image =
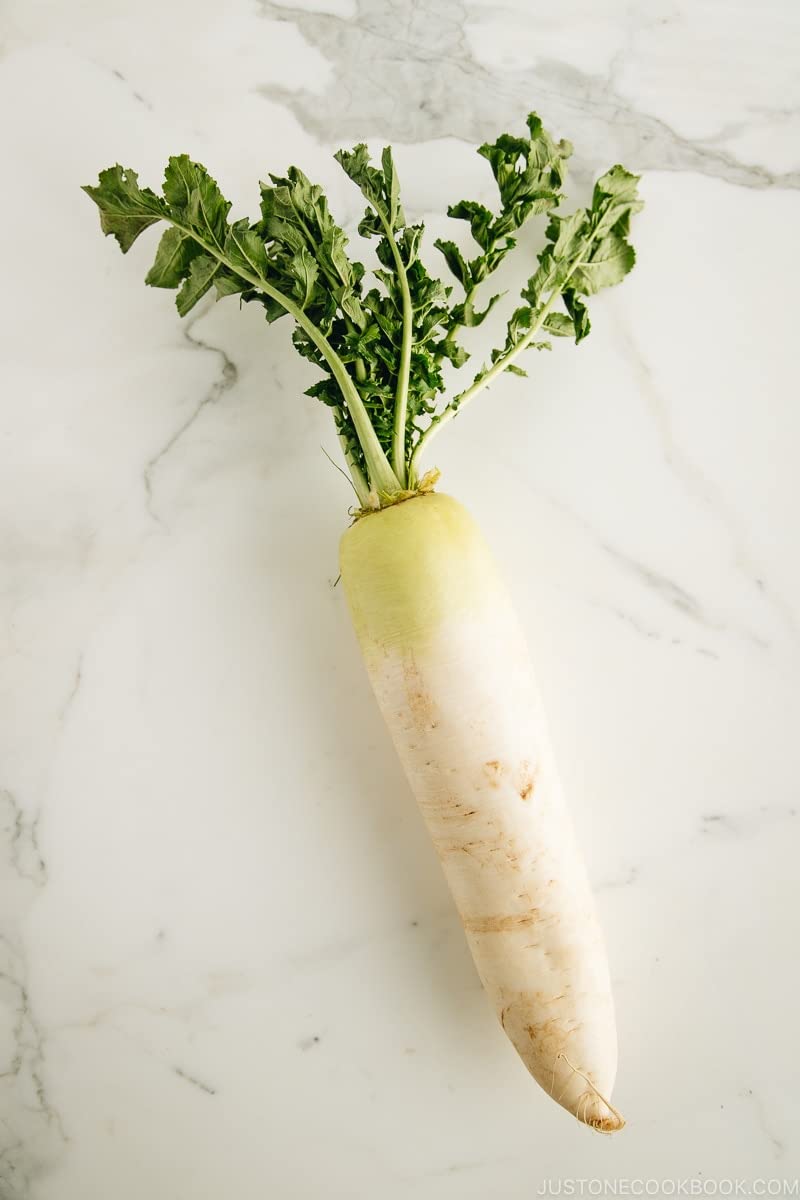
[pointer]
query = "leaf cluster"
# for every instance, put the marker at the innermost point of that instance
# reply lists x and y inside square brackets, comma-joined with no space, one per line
[381,344]
[425,317]
[529,173]
[584,252]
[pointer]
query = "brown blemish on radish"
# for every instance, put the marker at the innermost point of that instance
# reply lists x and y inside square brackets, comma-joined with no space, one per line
[421,706]
[542,1032]
[443,811]
[487,845]
[471,849]
[525,777]
[507,849]
[527,781]
[494,770]
[503,924]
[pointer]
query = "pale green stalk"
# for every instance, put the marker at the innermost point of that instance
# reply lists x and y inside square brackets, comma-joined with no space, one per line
[381,475]
[480,383]
[496,369]
[401,391]
[360,482]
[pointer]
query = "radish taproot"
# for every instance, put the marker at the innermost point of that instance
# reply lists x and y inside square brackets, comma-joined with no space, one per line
[447,661]
[444,652]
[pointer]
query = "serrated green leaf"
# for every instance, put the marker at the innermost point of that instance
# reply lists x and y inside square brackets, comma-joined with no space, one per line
[615,200]
[126,210]
[520,322]
[273,309]
[568,233]
[474,316]
[529,171]
[354,309]
[480,220]
[296,223]
[194,196]
[392,185]
[228,284]
[619,184]
[560,325]
[200,278]
[451,350]
[543,148]
[578,313]
[305,274]
[610,262]
[246,252]
[370,224]
[455,261]
[276,229]
[410,240]
[325,390]
[173,259]
[356,164]
[333,251]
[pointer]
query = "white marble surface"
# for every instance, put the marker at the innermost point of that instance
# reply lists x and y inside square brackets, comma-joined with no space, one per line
[228,963]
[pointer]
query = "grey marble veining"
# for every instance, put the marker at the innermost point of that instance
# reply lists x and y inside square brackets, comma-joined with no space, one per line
[408,73]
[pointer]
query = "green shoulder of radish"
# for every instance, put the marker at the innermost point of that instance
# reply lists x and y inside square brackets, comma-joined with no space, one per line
[443,649]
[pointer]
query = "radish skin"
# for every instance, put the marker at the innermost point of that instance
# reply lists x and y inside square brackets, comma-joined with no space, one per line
[447,661]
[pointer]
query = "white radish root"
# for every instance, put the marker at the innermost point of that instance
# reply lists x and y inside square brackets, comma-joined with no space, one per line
[448,663]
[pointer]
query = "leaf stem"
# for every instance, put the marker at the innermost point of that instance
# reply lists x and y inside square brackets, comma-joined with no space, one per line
[381,475]
[360,484]
[498,367]
[404,374]
[467,304]
[482,381]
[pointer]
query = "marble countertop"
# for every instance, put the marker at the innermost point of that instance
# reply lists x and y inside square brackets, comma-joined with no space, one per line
[229,964]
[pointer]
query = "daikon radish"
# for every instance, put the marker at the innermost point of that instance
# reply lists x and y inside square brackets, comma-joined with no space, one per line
[449,667]
[444,652]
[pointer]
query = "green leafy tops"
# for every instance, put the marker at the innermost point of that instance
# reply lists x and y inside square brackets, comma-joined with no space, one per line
[381,348]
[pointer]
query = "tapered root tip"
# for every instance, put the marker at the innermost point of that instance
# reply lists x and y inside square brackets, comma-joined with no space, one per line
[598,1114]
